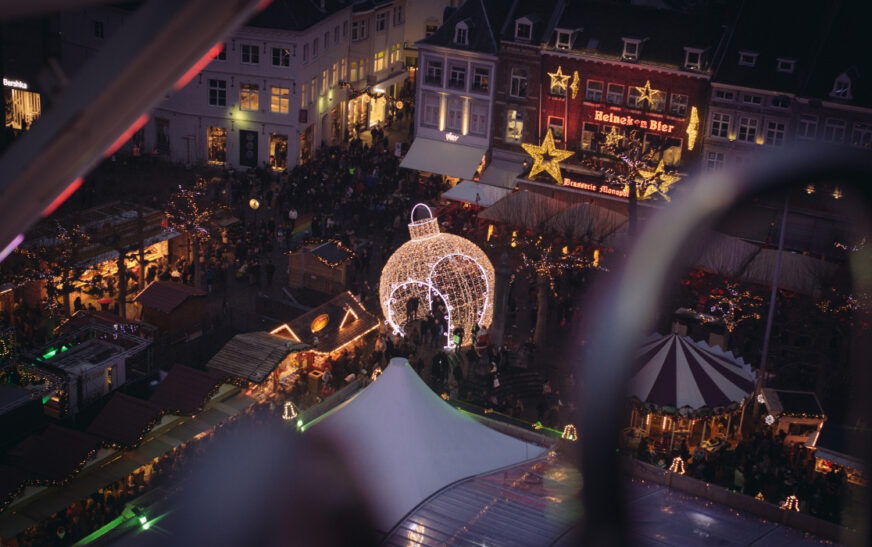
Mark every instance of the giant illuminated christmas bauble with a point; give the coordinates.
(433, 266)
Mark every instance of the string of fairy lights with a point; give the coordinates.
(551, 262)
(732, 305)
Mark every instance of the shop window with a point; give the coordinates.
(248, 96)
(278, 151)
(514, 126)
(478, 118)
(250, 54)
(22, 107)
(218, 92)
(279, 99)
(720, 125)
(747, 129)
(678, 105)
(281, 56)
(518, 87)
(594, 91)
(480, 79)
(217, 143)
(588, 136)
(615, 94)
(555, 124)
(807, 128)
(775, 133)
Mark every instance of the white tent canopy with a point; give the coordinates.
(404, 443)
(475, 193)
(445, 158)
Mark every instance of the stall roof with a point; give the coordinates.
(124, 420)
(56, 454)
(502, 173)
(252, 356)
(166, 296)
(793, 403)
(430, 155)
(482, 195)
(332, 252)
(186, 390)
(336, 323)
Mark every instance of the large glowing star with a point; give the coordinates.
(559, 79)
(546, 157)
(647, 94)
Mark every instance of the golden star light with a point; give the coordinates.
(574, 85)
(559, 79)
(647, 94)
(546, 157)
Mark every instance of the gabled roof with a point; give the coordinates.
(408, 443)
(346, 320)
(665, 33)
(252, 356)
(186, 390)
(124, 420)
(541, 13)
(296, 14)
(485, 18)
(56, 454)
(166, 296)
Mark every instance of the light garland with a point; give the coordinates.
(790, 503)
(546, 157)
(732, 306)
(569, 433)
(574, 85)
(289, 412)
(435, 264)
(677, 466)
(692, 128)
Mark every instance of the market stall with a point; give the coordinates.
(798, 414)
(682, 389)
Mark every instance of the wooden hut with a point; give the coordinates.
(320, 266)
(174, 308)
(253, 356)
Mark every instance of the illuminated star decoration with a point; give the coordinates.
(559, 79)
(546, 157)
(692, 127)
(613, 139)
(574, 85)
(647, 94)
(658, 181)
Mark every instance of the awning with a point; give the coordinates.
(475, 193)
(502, 173)
(382, 86)
(444, 158)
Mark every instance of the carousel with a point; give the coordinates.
(684, 390)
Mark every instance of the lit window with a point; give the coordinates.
(678, 105)
(720, 125)
(714, 161)
(313, 90)
(834, 131)
(217, 144)
(218, 92)
(807, 128)
(555, 124)
(563, 39)
(747, 58)
(325, 80)
(631, 49)
(353, 75)
(615, 94)
(518, 87)
(747, 129)
(381, 21)
(480, 79)
(785, 65)
(304, 95)
(514, 126)
(279, 99)
(523, 30)
(281, 56)
(248, 96)
(594, 91)
(250, 54)
(379, 62)
(775, 133)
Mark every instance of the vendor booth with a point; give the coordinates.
(682, 389)
(798, 414)
(321, 266)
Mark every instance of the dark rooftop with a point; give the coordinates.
(124, 420)
(166, 296)
(296, 14)
(484, 18)
(41, 454)
(185, 390)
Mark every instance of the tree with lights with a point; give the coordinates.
(187, 211)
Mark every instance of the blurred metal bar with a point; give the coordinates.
(18, 9)
(627, 309)
(127, 77)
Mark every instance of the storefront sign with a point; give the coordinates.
(600, 189)
(654, 125)
(18, 84)
(452, 137)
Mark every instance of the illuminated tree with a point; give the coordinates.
(188, 212)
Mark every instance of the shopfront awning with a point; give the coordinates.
(444, 158)
(475, 193)
(384, 85)
(501, 173)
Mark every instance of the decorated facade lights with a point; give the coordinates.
(546, 157)
(677, 466)
(289, 412)
(569, 433)
(647, 94)
(692, 128)
(790, 503)
(433, 267)
(769, 419)
(732, 305)
(574, 85)
(559, 80)
(634, 174)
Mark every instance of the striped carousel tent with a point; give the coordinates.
(675, 372)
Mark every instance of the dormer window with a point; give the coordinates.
(841, 87)
(632, 47)
(785, 65)
(461, 34)
(524, 29)
(747, 58)
(693, 58)
(564, 39)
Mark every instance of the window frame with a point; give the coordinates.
(219, 92)
(750, 126)
(282, 96)
(806, 122)
(480, 83)
(252, 102)
(637, 46)
(433, 66)
(518, 75)
(598, 94)
(563, 44)
(246, 51)
(723, 121)
(837, 125)
(459, 69)
(381, 21)
(682, 111)
(527, 24)
(286, 57)
(774, 134)
(688, 51)
(619, 96)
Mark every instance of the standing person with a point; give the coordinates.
(292, 218)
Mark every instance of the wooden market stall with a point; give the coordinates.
(321, 266)
(174, 308)
(798, 414)
(251, 357)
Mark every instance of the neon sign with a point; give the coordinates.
(18, 84)
(452, 137)
(600, 189)
(654, 125)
